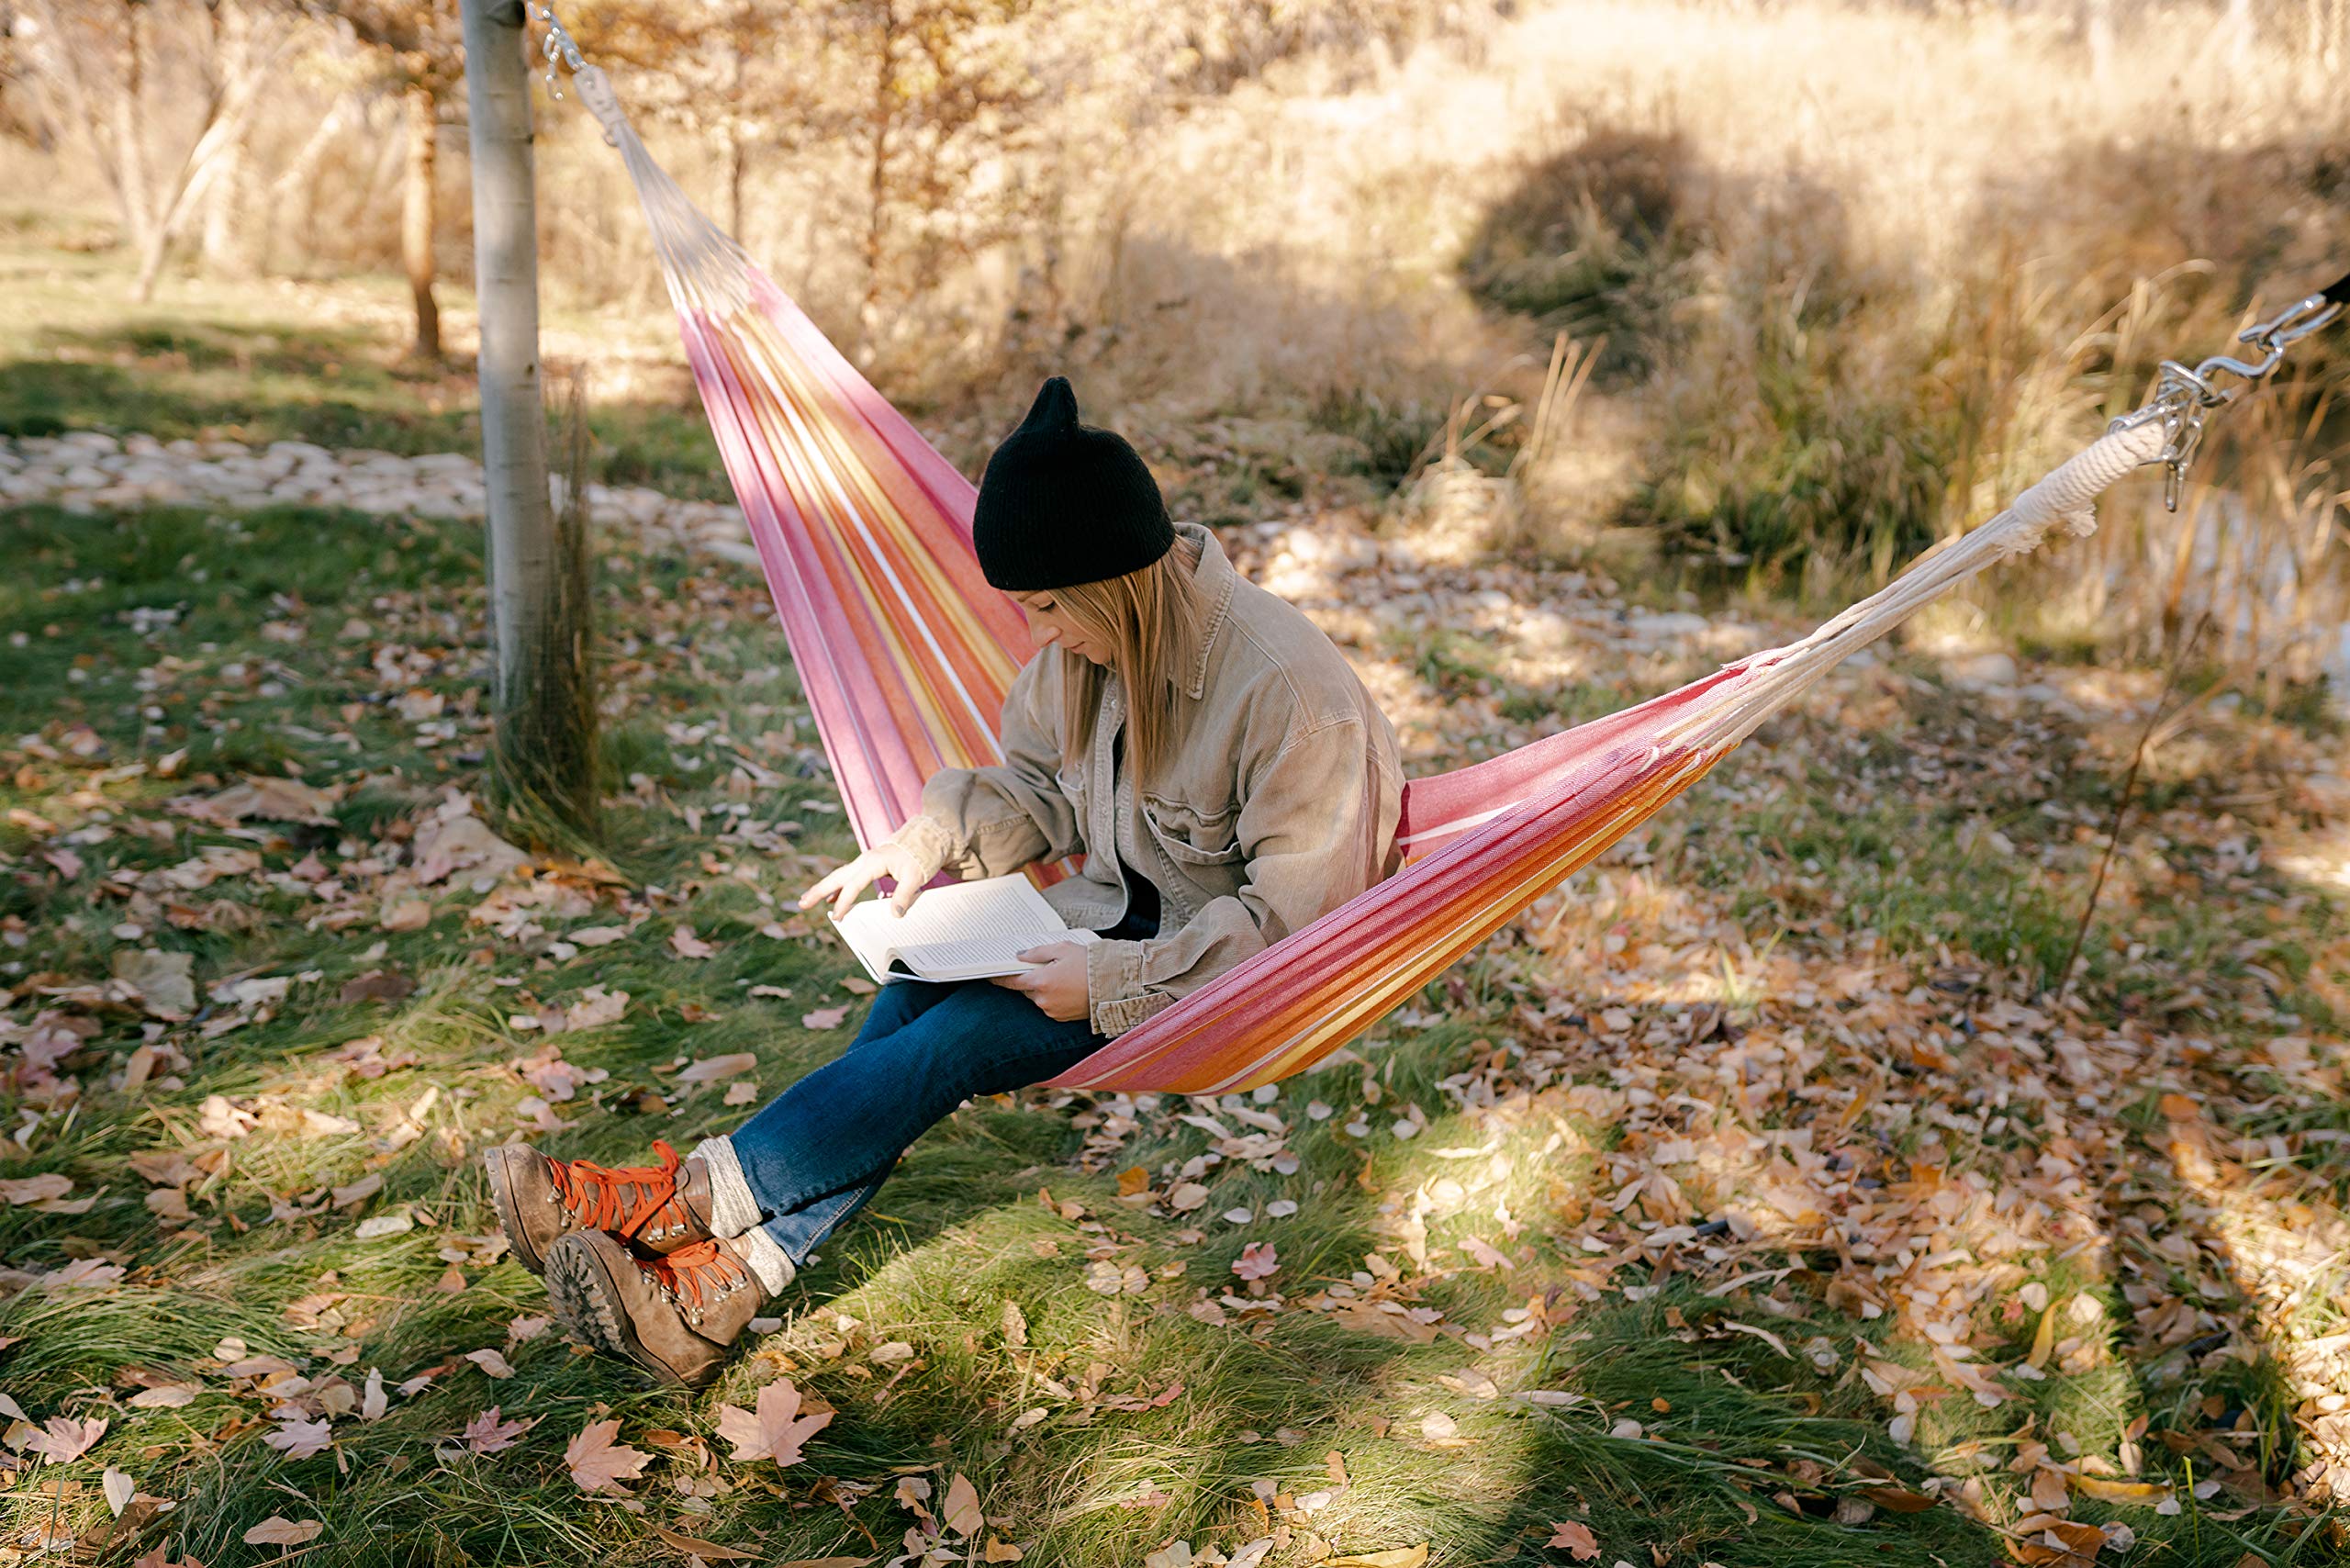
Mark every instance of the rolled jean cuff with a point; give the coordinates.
(733, 1209)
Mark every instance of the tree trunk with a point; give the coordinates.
(539, 694)
(737, 156)
(130, 144)
(877, 179)
(416, 218)
(298, 175)
(226, 244)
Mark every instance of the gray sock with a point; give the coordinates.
(733, 1209)
(768, 1260)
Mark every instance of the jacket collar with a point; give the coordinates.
(1217, 579)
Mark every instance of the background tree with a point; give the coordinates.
(159, 93)
(938, 94)
(421, 43)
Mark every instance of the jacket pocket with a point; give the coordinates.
(1194, 837)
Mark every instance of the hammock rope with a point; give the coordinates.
(904, 651)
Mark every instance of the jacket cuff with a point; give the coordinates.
(1116, 998)
(933, 845)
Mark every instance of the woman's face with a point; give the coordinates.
(1048, 625)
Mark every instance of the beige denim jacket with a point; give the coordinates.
(1280, 803)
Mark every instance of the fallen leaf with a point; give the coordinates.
(119, 1489)
(596, 1462)
(686, 944)
(376, 985)
(487, 1433)
(300, 1439)
(163, 979)
(35, 1189)
(2105, 1491)
(66, 1439)
(777, 1430)
(373, 1402)
(279, 1530)
(170, 1397)
(1257, 1261)
(490, 1361)
(1401, 1557)
(962, 1516)
(2044, 1340)
(824, 1018)
(271, 799)
(707, 1551)
(710, 1069)
(1577, 1539)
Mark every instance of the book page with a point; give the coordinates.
(1006, 913)
(977, 957)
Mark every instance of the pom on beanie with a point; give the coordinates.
(1063, 502)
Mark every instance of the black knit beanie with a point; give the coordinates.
(1064, 503)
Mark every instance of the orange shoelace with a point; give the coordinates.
(697, 1276)
(623, 1199)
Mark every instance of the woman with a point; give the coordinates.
(1199, 741)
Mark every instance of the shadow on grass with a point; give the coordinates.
(199, 378)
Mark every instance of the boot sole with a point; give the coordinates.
(499, 1165)
(585, 1296)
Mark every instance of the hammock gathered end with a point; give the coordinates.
(905, 653)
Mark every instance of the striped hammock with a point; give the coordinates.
(905, 653)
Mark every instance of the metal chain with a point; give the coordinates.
(558, 46)
(2182, 397)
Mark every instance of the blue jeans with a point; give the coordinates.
(823, 1146)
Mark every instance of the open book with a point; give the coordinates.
(961, 931)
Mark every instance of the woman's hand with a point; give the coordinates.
(842, 884)
(1056, 984)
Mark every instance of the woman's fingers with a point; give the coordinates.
(827, 886)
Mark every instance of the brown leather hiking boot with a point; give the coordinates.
(673, 1316)
(658, 1208)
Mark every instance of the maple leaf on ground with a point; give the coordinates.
(824, 1018)
(777, 1430)
(279, 1530)
(486, 1433)
(686, 944)
(1577, 1539)
(300, 1439)
(1258, 1260)
(596, 1462)
(65, 1439)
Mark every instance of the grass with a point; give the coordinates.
(319, 362)
(136, 638)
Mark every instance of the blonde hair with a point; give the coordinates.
(1153, 621)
